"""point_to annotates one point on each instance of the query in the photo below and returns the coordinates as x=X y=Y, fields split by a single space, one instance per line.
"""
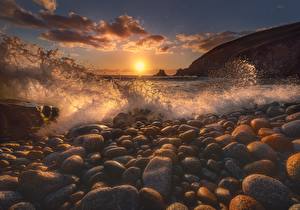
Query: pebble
x=278 y=142
x=244 y=134
x=151 y=199
x=9 y=198
x=22 y=206
x=260 y=150
x=270 y=192
x=131 y=175
x=120 y=197
x=177 y=206
x=259 y=123
x=237 y=151
x=8 y=183
x=206 y=196
x=56 y=199
x=292 y=129
x=244 y=202
x=114 y=169
x=73 y=164
x=265 y=167
x=188 y=136
x=293 y=167
x=191 y=165
x=158 y=175
x=91 y=142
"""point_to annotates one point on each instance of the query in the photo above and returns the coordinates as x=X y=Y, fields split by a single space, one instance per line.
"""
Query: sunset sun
x=139 y=66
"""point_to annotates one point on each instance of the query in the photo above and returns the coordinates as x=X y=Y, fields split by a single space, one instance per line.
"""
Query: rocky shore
x=244 y=160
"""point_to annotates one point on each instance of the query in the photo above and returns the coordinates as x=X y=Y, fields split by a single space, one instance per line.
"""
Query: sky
x=116 y=36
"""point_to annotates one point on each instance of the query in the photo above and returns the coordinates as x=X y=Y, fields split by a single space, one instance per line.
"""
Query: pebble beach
x=243 y=160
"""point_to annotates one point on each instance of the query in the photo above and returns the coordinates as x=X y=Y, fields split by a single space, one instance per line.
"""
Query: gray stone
x=292 y=129
x=158 y=175
x=9 y=198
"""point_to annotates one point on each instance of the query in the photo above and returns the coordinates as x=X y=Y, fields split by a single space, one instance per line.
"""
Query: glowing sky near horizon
x=115 y=35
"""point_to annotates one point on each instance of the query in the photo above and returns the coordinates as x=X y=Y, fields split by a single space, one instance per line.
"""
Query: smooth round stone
x=35 y=154
x=260 y=151
x=22 y=206
x=244 y=202
x=8 y=183
x=86 y=129
x=189 y=198
x=278 y=142
x=259 y=123
x=77 y=196
x=185 y=127
x=224 y=140
x=91 y=142
x=95 y=158
x=4 y=163
x=131 y=175
x=292 y=117
x=295 y=207
x=204 y=207
x=223 y=195
x=167 y=153
x=188 y=136
x=73 y=164
x=115 y=152
x=177 y=206
x=296 y=145
x=274 y=111
x=270 y=192
x=293 y=167
x=72 y=151
x=167 y=130
x=265 y=132
x=114 y=168
x=158 y=175
x=191 y=165
x=230 y=183
x=293 y=109
x=120 y=197
x=89 y=173
x=292 y=129
x=237 y=151
x=212 y=149
x=9 y=198
x=56 y=199
x=187 y=150
x=233 y=168
x=266 y=167
x=244 y=134
x=36 y=184
x=53 y=142
x=151 y=199
x=206 y=196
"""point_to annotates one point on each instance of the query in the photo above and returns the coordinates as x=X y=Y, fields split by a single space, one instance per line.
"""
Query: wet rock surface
x=237 y=161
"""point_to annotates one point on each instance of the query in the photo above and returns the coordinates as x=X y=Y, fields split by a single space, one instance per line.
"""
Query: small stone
x=115 y=152
x=204 y=207
x=274 y=111
x=91 y=142
x=259 y=123
x=270 y=192
x=278 y=142
x=293 y=167
x=158 y=175
x=8 y=183
x=292 y=117
x=113 y=168
x=56 y=199
x=35 y=154
x=207 y=196
x=293 y=109
x=120 y=197
x=151 y=199
x=244 y=134
x=191 y=165
x=224 y=140
x=265 y=167
x=230 y=183
x=292 y=129
x=131 y=175
x=265 y=132
x=177 y=206
x=223 y=195
x=260 y=151
x=73 y=164
x=233 y=168
x=9 y=198
x=296 y=145
x=244 y=202
x=188 y=136
x=22 y=206
x=72 y=151
x=237 y=151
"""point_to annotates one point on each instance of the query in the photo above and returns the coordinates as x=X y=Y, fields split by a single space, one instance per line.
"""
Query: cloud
x=70 y=38
x=204 y=42
x=122 y=27
x=72 y=21
x=12 y=12
x=49 y=5
x=150 y=42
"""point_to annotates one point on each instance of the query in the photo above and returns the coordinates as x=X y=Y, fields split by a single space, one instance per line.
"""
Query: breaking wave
x=31 y=73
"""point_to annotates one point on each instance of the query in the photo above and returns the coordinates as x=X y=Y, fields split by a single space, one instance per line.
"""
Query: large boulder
x=158 y=175
x=120 y=197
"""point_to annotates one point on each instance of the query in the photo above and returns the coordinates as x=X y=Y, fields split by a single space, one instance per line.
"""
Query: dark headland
x=274 y=52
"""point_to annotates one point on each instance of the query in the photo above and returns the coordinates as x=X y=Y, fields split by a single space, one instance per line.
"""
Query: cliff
x=273 y=52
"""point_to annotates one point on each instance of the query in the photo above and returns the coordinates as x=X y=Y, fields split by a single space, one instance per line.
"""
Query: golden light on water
x=139 y=66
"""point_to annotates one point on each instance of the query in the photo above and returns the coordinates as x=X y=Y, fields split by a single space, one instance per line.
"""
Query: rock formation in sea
x=269 y=53
x=161 y=73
